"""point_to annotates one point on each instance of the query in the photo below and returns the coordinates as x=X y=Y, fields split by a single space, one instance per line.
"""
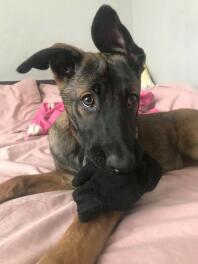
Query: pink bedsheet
x=162 y=227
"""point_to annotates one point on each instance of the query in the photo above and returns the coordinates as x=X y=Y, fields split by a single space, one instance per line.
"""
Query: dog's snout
x=120 y=165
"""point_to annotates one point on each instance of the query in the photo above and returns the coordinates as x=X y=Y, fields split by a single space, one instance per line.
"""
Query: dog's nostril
x=119 y=165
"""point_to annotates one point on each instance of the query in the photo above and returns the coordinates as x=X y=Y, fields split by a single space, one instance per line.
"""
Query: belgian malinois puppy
x=100 y=92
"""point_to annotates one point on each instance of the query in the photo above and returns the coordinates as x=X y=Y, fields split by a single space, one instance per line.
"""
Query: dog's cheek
x=84 y=118
x=83 y=127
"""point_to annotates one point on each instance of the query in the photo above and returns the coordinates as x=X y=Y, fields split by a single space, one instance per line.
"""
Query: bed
x=161 y=228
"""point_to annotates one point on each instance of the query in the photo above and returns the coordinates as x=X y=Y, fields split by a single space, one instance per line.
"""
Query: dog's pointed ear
x=111 y=36
x=61 y=60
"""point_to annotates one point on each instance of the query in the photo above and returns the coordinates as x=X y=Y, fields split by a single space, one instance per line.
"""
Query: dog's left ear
x=111 y=36
x=60 y=57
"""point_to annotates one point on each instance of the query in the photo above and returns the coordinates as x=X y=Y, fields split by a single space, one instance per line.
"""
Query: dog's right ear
x=111 y=36
x=62 y=60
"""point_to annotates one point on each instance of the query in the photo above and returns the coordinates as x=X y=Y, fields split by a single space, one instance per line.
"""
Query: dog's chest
x=64 y=147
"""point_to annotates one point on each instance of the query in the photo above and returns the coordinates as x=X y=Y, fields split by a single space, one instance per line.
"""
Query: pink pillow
x=174 y=96
x=18 y=105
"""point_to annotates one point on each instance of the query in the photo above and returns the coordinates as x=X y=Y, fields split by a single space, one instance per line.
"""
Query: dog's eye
x=88 y=102
x=132 y=99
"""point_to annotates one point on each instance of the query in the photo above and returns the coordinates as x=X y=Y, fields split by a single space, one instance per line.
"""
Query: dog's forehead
x=93 y=65
x=106 y=66
x=119 y=68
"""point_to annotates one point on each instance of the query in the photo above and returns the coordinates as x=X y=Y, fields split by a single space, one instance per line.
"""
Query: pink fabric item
x=162 y=228
x=45 y=118
x=147 y=103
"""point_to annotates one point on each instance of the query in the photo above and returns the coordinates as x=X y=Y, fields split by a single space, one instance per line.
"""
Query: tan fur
x=31 y=184
x=82 y=243
x=170 y=137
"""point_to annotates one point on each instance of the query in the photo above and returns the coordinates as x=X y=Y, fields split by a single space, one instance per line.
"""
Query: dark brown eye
x=132 y=99
x=88 y=102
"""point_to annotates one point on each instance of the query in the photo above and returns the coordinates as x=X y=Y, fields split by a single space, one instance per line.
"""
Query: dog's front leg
x=83 y=242
x=31 y=184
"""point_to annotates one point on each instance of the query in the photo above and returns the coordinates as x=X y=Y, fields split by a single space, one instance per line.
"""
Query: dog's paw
x=89 y=204
x=105 y=192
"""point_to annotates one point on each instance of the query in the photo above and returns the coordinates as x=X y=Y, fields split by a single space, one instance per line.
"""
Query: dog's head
x=100 y=91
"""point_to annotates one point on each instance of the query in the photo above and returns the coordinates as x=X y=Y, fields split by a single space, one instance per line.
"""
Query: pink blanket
x=162 y=227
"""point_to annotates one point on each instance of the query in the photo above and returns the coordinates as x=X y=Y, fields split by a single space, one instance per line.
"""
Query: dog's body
x=171 y=138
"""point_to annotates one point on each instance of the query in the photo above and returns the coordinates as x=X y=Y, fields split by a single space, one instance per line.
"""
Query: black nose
x=120 y=164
